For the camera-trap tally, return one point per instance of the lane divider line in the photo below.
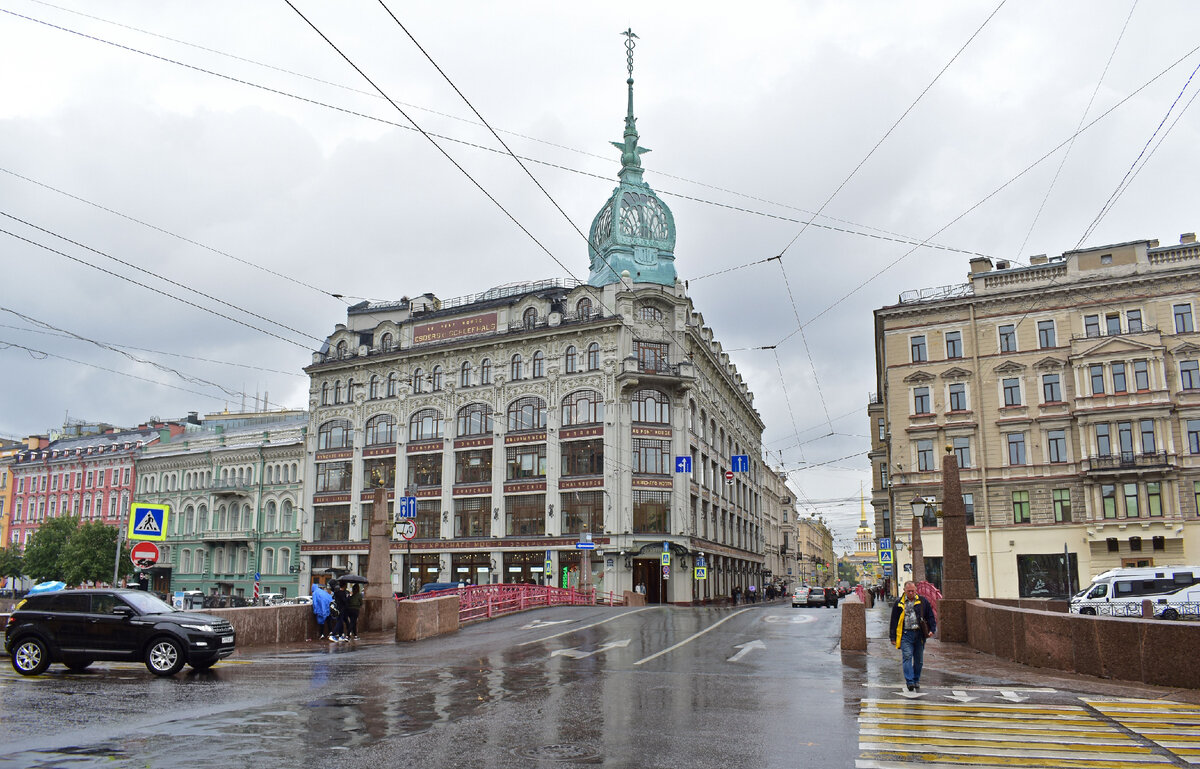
(690, 638)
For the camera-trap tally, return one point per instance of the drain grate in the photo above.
(560, 752)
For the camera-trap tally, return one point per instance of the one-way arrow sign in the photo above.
(579, 654)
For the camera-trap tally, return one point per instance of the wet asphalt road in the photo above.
(758, 686)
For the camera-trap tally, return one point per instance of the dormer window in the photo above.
(649, 313)
(583, 308)
(529, 318)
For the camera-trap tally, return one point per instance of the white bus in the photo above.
(1174, 591)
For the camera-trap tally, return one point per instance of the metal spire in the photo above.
(631, 164)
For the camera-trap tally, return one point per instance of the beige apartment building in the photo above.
(1069, 391)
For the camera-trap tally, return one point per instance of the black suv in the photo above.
(78, 627)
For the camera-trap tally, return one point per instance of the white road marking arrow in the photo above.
(910, 695)
(578, 654)
(961, 696)
(1012, 696)
(539, 623)
(746, 648)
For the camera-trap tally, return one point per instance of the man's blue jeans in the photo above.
(912, 651)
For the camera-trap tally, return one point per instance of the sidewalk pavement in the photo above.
(947, 664)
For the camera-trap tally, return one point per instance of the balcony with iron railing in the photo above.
(1127, 461)
(656, 369)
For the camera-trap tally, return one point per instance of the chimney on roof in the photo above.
(981, 264)
(1187, 238)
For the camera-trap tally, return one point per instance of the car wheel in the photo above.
(1170, 614)
(77, 663)
(30, 657)
(1088, 610)
(165, 657)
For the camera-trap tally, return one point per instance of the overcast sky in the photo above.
(214, 145)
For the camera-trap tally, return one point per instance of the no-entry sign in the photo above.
(144, 554)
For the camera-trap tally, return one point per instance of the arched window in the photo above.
(267, 566)
(201, 566)
(474, 419)
(583, 308)
(527, 413)
(335, 434)
(426, 424)
(219, 561)
(269, 525)
(485, 371)
(325, 394)
(289, 516)
(571, 360)
(381, 430)
(219, 519)
(593, 356)
(538, 365)
(529, 318)
(582, 407)
(350, 390)
(418, 381)
(189, 520)
(247, 519)
(343, 349)
(386, 343)
(435, 379)
(516, 372)
(651, 406)
(373, 389)
(337, 391)
(464, 374)
(202, 519)
(647, 312)
(393, 381)
(185, 563)
(285, 560)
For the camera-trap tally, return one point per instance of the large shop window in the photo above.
(472, 517)
(582, 457)
(474, 419)
(651, 407)
(429, 519)
(331, 523)
(527, 414)
(425, 425)
(582, 407)
(582, 511)
(1047, 575)
(381, 430)
(333, 476)
(473, 466)
(380, 472)
(335, 434)
(526, 461)
(425, 469)
(525, 515)
(650, 511)
(651, 456)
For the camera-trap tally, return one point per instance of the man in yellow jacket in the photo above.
(912, 622)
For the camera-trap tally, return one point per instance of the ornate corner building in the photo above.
(1069, 391)
(528, 417)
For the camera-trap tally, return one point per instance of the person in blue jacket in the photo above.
(320, 603)
(912, 622)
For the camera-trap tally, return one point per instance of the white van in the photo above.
(1174, 590)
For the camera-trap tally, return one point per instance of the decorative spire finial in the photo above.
(631, 164)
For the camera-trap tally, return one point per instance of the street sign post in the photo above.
(885, 543)
(701, 572)
(729, 477)
(885, 557)
(148, 521)
(740, 463)
(683, 464)
(144, 554)
(405, 528)
(407, 507)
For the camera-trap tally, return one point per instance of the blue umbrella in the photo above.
(47, 587)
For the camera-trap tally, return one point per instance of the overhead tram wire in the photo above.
(474, 145)
(153, 289)
(575, 150)
(160, 352)
(1091, 100)
(163, 278)
(1003, 186)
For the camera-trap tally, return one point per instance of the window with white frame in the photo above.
(962, 451)
(1056, 446)
(1091, 325)
(1183, 318)
(954, 344)
(1189, 375)
(1046, 333)
(1141, 375)
(925, 456)
(1096, 375)
(958, 397)
(1008, 338)
(1012, 391)
(917, 348)
(1051, 388)
(1016, 448)
(921, 400)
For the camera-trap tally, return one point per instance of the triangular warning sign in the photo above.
(148, 524)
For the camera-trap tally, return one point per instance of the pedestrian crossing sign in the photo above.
(148, 521)
(701, 572)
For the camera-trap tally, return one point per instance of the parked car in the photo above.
(800, 596)
(78, 627)
(432, 587)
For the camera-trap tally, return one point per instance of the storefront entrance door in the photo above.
(648, 573)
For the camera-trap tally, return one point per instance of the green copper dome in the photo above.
(635, 230)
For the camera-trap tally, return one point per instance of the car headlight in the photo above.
(201, 628)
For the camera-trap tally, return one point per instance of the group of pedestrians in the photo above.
(336, 611)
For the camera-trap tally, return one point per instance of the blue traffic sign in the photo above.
(585, 545)
(407, 507)
(683, 464)
(885, 543)
(740, 463)
(148, 521)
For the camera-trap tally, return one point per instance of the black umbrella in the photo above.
(353, 578)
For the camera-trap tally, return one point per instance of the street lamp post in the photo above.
(920, 508)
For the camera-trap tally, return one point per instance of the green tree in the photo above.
(11, 562)
(43, 554)
(88, 555)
